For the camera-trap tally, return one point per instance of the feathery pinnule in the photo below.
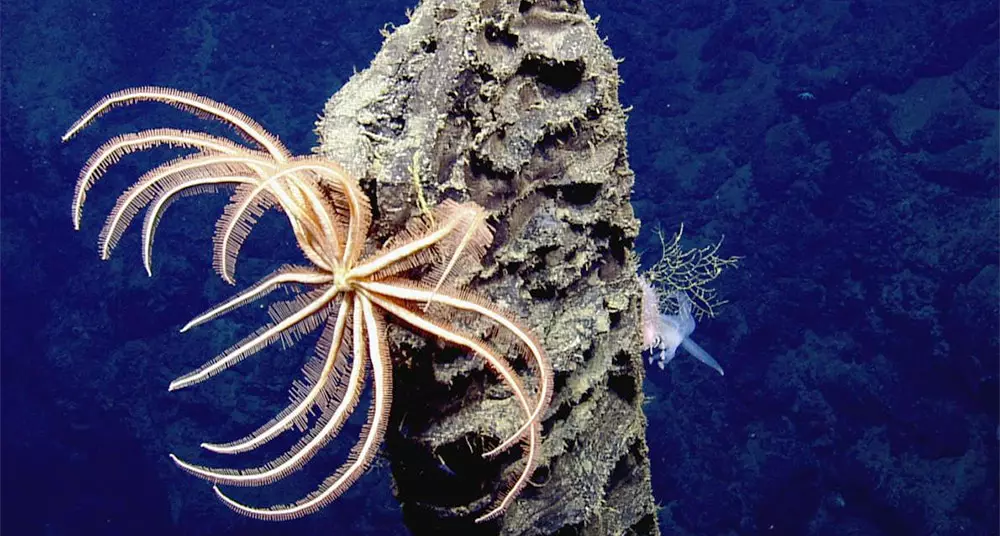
(119, 146)
(189, 102)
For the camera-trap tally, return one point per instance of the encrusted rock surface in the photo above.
(513, 105)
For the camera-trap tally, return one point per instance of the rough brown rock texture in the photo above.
(514, 105)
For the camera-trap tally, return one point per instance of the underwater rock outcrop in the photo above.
(513, 105)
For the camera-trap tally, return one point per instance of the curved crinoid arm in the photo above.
(189, 102)
(303, 315)
(323, 387)
(465, 301)
(348, 211)
(199, 173)
(286, 275)
(315, 222)
(274, 152)
(189, 186)
(175, 176)
(372, 433)
(114, 149)
(468, 243)
(239, 224)
(458, 231)
(449, 333)
(329, 213)
(336, 409)
(454, 336)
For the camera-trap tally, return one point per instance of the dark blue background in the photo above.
(848, 150)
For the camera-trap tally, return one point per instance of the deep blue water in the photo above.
(847, 150)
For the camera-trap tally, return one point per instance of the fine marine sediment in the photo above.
(513, 105)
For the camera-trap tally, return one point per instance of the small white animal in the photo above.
(667, 332)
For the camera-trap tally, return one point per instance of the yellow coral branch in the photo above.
(690, 271)
(418, 186)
